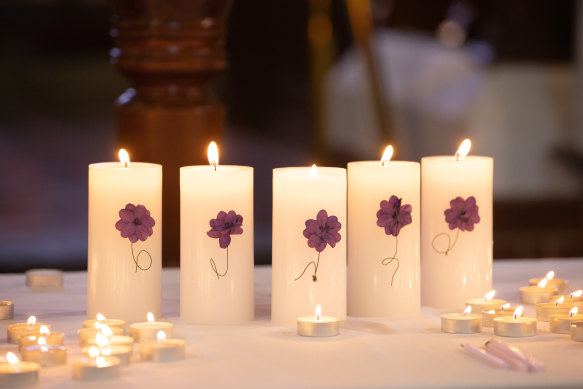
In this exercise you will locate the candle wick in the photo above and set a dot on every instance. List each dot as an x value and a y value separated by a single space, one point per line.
125 164
383 163
457 156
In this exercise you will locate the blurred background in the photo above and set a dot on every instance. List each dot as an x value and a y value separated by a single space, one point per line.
318 81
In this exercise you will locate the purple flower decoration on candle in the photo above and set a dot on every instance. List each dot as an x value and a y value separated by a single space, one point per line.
321 232
135 223
393 216
462 214
225 225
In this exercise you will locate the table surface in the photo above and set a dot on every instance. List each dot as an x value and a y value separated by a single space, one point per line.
368 353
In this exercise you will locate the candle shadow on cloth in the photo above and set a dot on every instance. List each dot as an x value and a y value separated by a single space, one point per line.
367 326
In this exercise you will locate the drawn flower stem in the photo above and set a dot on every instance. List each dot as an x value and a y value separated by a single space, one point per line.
316 264
137 257
450 245
388 260
214 266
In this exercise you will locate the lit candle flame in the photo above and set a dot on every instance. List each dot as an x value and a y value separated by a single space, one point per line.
491 311
314 171
505 306
213 154
101 340
31 321
100 361
161 336
105 330
150 317
11 358
42 342
387 155
543 283
577 293
467 311
124 157
560 300
93 351
318 312
100 317
490 295
98 325
550 275
463 150
573 311
44 330
518 312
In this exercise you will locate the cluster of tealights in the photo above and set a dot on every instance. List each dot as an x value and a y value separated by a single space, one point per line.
560 310
104 346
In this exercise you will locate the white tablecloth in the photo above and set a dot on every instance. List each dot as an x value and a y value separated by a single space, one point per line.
367 354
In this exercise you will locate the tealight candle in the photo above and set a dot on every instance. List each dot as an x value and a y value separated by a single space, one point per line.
163 350
6 310
146 331
16 374
486 303
574 298
31 327
461 323
121 351
559 284
318 325
489 316
96 367
51 338
561 324
515 326
45 355
101 320
541 293
545 310
44 278
577 331
87 335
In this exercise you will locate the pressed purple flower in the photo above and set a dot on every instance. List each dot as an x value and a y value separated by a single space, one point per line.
135 223
322 231
393 216
462 214
225 225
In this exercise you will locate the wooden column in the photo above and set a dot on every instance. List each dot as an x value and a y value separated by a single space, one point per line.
169 50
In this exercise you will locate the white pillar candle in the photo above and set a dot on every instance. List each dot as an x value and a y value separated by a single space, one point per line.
545 310
309 242
162 349
44 278
16 374
383 238
96 367
45 355
31 327
216 243
146 331
561 285
540 293
456 228
6 310
461 323
561 323
318 325
515 325
125 239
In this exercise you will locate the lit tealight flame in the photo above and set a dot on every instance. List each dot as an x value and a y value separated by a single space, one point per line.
550 275
543 283
313 171
577 293
573 311
490 295
150 317
213 154
42 342
100 317
467 311
491 311
505 306
101 340
124 157
11 358
44 330
31 321
560 300
106 331
161 336
98 325
387 155
318 312
93 352
463 150
518 312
